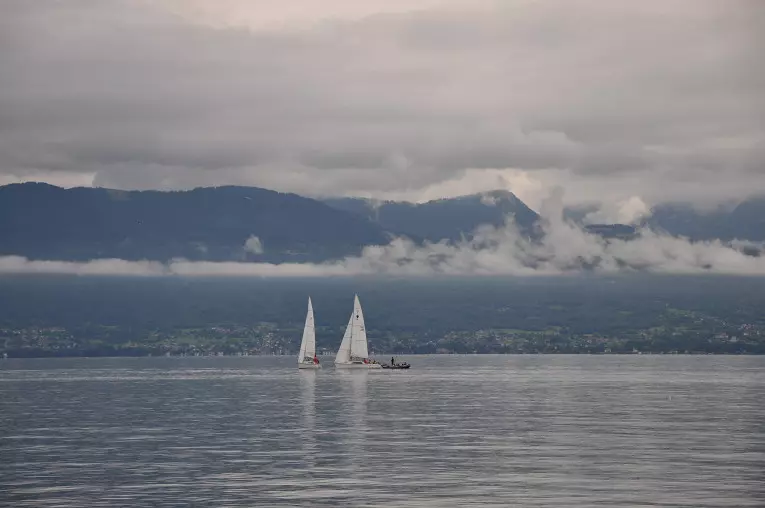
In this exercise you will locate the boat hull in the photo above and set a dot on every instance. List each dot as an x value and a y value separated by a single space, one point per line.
365 366
312 366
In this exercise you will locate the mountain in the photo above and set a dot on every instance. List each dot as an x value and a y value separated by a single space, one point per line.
745 221
607 231
578 213
41 221
440 219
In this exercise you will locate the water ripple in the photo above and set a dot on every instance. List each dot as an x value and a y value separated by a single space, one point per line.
454 431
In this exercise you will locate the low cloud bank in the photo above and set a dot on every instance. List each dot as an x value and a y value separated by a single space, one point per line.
254 245
564 248
176 267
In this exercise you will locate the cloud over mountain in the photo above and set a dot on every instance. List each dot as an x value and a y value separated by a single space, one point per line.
564 248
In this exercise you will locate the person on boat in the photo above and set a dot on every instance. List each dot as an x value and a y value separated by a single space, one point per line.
392 361
315 359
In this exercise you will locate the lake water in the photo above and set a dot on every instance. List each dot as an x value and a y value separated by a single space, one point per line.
563 431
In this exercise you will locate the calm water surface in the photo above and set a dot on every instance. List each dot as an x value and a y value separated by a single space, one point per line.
563 431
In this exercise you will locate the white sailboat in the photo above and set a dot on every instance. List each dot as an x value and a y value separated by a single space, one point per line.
353 352
307 357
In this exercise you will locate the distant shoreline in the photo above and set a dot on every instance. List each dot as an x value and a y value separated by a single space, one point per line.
383 355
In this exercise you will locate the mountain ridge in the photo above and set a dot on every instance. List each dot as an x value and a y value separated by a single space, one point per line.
744 221
443 219
40 221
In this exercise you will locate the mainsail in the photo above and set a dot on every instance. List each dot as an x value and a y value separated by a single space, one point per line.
354 344
344 353
359 334
308 343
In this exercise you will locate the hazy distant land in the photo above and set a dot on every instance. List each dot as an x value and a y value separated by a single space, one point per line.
92 316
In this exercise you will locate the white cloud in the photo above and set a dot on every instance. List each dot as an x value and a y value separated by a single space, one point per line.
18 264
626 211
253 245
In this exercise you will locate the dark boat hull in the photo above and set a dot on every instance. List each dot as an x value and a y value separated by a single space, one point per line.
398 366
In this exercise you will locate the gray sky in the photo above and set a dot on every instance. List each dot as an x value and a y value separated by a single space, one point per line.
623 103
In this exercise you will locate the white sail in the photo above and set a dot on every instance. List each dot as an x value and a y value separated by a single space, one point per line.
354 352
359 334
308 343
344 353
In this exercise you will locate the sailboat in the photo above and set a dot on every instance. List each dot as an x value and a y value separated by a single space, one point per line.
307 358
353 352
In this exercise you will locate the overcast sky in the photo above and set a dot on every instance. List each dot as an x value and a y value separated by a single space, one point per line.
620 102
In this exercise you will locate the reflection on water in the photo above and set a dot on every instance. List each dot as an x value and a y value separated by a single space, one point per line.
308 426
453 431
355 391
